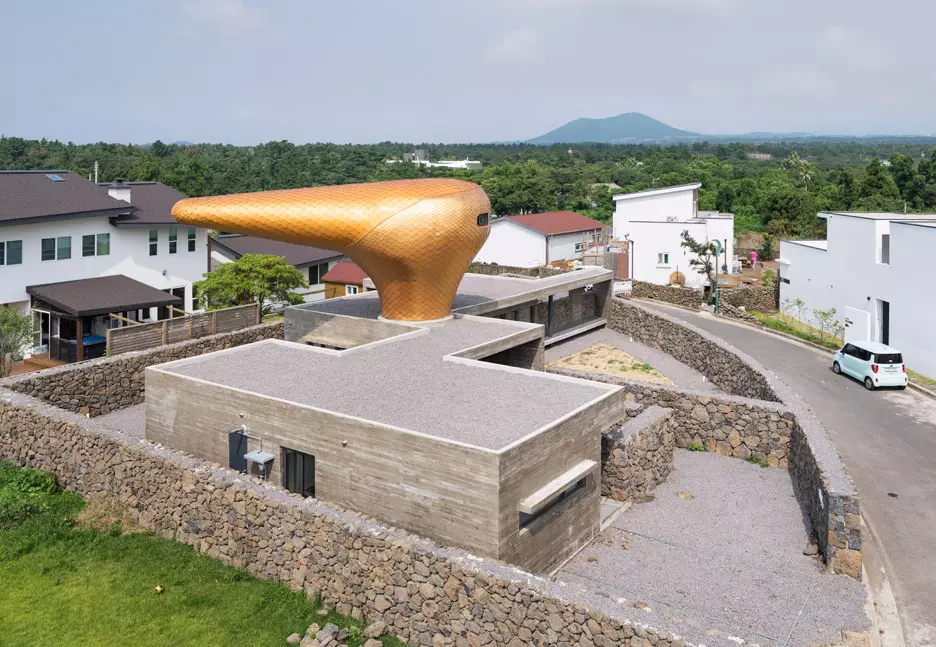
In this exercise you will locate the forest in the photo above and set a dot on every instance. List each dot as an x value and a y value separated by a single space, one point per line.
780 196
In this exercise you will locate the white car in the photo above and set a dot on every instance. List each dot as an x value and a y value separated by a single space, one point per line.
872 363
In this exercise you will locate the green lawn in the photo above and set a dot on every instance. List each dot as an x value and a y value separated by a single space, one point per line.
65 585
790 326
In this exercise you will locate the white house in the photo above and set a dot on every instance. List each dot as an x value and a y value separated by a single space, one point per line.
534 239
876 270
651 223
313 262
57 227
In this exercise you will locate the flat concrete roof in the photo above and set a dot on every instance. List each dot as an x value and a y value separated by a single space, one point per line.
411 381
877 215
476 292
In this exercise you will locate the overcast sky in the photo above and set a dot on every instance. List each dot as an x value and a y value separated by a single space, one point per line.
247 71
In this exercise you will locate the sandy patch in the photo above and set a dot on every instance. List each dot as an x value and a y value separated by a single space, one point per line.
608 360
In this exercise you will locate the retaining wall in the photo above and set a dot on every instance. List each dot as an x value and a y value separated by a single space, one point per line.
751 297
687 297
99 386
638 455
425 593
821 483
724 424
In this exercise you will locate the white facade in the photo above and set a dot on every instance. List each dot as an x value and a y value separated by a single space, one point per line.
653 221
516 245
877 271
129 255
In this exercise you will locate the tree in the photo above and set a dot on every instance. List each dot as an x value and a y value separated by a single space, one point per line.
766 251
705 256
828 325
15 332
253 278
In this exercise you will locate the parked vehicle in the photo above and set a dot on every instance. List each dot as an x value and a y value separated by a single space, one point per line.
872 363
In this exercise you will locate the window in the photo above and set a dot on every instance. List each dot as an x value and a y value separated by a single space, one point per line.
299 472
580 247
191 239
351 289
784 279
885 249
663 259
48 249
173 240
87 245
11 252
889 358
526 520
103 244
483 220
56 248
317 272
153 241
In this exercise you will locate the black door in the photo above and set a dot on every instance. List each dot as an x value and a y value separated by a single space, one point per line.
299 472
885 322
237 449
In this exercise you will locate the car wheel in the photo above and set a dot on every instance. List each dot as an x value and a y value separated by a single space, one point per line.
869 384
836 368
902 387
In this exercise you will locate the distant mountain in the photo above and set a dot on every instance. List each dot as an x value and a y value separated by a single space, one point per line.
637 128
630 127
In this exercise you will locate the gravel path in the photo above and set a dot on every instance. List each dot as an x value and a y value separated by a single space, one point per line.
718 555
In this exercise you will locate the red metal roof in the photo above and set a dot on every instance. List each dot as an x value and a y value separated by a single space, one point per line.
345 272
557 222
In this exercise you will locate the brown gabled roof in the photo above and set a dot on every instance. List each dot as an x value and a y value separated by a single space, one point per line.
297 255
345 272
101 295
153 202
556 222
28 195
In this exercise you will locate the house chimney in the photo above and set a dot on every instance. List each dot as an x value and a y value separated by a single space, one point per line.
119 190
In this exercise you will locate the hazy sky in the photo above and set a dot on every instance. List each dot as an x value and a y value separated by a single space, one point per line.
247 71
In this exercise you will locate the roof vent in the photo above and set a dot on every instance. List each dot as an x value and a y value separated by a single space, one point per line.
55 177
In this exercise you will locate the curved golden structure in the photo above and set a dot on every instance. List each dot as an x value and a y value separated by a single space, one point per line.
414 238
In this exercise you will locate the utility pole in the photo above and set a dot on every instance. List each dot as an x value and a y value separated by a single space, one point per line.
96 169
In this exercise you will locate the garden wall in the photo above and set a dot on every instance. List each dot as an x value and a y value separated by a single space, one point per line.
821 483
425 593
686 297
750 297
99 386
638 456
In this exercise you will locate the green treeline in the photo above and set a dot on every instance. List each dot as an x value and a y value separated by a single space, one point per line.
780 196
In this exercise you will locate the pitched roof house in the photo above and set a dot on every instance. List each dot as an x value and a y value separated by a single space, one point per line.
534 239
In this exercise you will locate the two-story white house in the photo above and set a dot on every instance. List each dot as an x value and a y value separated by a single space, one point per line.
61 236
534 239
650 223
876 270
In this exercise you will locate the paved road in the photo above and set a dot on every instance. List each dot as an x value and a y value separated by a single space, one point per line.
887 440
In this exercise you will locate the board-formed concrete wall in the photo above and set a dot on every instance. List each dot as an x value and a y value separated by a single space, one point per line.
99 386
425 593
821 483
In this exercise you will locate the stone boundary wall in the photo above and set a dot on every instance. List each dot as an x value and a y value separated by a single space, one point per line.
99 386
493 269
706 353
638 455
723 424
425 593
731 312
751 297
821 483
687 297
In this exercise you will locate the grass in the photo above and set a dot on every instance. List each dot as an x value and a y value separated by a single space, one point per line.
797 329
66 584
922 380
697 447
757 461
270 318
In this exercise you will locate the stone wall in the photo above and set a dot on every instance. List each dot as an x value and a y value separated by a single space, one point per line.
724 424
823 487
706 353
638 455
687 297
99 386
494 269
731 312
425 593
751 297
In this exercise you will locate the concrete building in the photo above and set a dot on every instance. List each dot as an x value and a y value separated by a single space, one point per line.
58 227
534 239
418 157
447 429
876 270
651 223
313 262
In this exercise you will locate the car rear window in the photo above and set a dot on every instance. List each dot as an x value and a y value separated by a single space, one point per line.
889 358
